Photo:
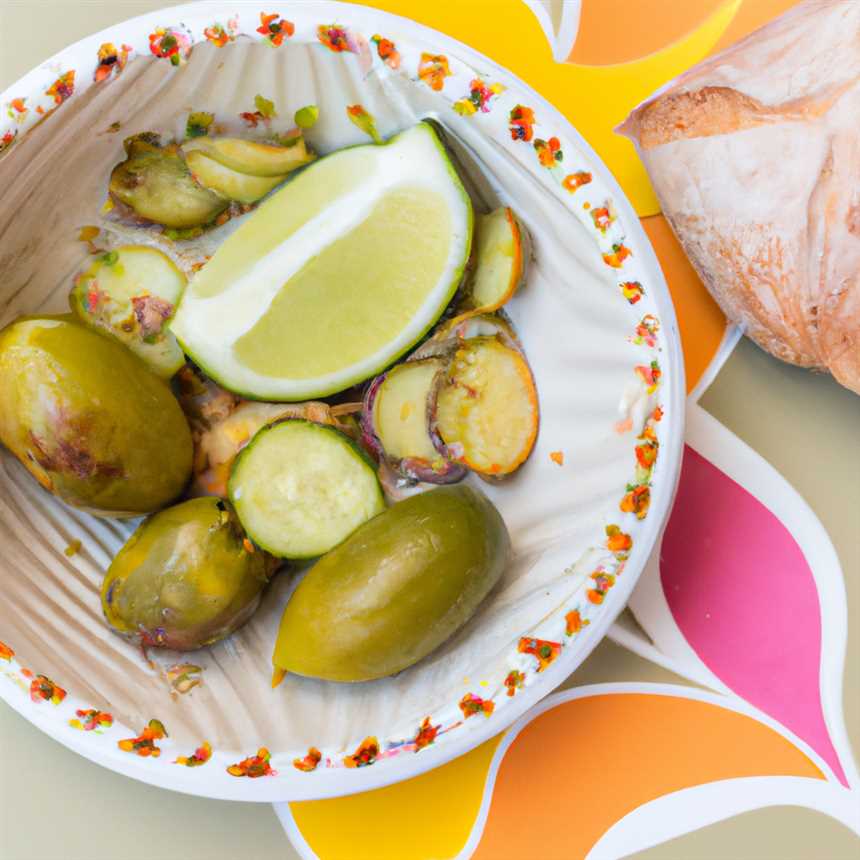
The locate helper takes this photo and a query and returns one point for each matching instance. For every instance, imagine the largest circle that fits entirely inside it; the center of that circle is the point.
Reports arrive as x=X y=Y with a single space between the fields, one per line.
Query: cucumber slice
x=228 y=183
x=216 y=446
x=397 y=415
x=301 y=488
x=501 y=250
x=449 y=335
x=400 y=410
x=252 y=157
x=487 y=409
x=131 y=293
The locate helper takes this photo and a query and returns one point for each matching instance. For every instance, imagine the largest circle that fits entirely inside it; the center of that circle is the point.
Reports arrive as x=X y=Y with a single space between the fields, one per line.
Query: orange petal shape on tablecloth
x=570 y=773
x=647 y=27
x=611 y=753
x=618 y=31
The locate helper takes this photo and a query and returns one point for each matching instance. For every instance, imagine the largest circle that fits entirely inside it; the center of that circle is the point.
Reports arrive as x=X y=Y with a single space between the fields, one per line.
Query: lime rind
x=239 y=285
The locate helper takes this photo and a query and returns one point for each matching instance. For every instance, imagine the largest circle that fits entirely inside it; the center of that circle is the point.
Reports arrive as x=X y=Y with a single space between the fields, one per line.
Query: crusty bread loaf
x=755 y=156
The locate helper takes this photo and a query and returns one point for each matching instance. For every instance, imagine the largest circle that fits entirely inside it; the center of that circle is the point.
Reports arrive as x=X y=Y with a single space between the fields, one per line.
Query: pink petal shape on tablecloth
x=742 y=593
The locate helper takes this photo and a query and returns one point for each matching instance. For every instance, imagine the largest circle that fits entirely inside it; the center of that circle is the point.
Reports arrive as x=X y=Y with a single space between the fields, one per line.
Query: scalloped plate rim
x=339 y=782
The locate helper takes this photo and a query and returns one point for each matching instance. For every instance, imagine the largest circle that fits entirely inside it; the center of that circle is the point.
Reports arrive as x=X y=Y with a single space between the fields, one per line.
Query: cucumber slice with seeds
x=301 y=488
x=501 y=252
x=252 y=157
x=397 y=422
x=130 y=293
x=487 y=410
x=228 y=183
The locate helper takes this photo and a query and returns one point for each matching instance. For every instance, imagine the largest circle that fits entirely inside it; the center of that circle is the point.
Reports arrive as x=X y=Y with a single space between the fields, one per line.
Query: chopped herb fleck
x=307 y=116
x=265 y=106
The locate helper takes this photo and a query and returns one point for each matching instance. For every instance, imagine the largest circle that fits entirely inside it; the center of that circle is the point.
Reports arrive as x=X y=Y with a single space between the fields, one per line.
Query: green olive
x=397 y=588
x=156 y=183
x=186 y=578
x=89 y=420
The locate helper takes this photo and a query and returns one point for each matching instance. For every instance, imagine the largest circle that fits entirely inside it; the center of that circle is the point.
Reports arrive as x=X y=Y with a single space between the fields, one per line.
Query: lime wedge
x=335 y=276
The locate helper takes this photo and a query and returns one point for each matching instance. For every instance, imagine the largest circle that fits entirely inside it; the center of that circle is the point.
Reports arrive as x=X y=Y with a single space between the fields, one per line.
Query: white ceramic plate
x=595 y=318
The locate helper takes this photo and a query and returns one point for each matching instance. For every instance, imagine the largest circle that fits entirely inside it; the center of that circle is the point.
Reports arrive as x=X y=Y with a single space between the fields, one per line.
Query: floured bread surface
x=755 y=156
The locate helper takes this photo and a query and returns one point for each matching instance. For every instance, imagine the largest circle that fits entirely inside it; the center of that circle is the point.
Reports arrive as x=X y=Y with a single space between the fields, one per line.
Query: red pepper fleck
x=309 y=762
x=365 y=755
x=548 y=151
x=632 y=291
x=620 y=253
x=574 y=622
x=574 y=181
x=91 y=719
x=433 y=69
x=646 y=454
x=275 y=29
x=387 y=51
x=514 y=681
x=144 y=743
x=617 y=541
x=544 y=650
x=426 y=734
x=522 y=123
x=334 y=38
x=637 y=501
x=254 y=766
x=62 y=88
x=43 y=689
x=471 y=704
x=199 y=757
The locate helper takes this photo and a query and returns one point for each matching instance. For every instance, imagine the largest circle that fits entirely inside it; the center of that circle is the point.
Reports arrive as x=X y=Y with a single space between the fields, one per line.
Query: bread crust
x=755 y=157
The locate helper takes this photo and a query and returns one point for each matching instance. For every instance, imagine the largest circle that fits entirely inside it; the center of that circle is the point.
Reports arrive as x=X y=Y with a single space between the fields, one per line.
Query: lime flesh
x=369 y=281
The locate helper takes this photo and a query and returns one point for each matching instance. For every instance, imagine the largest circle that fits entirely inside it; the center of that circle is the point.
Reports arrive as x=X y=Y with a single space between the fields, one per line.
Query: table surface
x=54 y=804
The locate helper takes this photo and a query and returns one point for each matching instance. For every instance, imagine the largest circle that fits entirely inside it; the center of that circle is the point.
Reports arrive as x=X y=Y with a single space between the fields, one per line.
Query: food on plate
x=755 y=156
x=498 y=417
x=397 y=422
x=301 y=488
x=131 y=292
x=332 y=279
x=203 y=401
x=370 y=240
x=252 y=157
x=186 y=578
x=395 y=590
x=89 y=420
x=450 y=334
x=487 y=407
x=501 y=253
x=226 y=182
x=155 y=183
x=216 y=445
x=189 y=186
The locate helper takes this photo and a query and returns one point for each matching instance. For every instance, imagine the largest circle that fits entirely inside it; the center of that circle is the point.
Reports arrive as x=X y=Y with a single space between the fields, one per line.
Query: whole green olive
x=89 y=420
x=186 y=578
x=395 y=589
